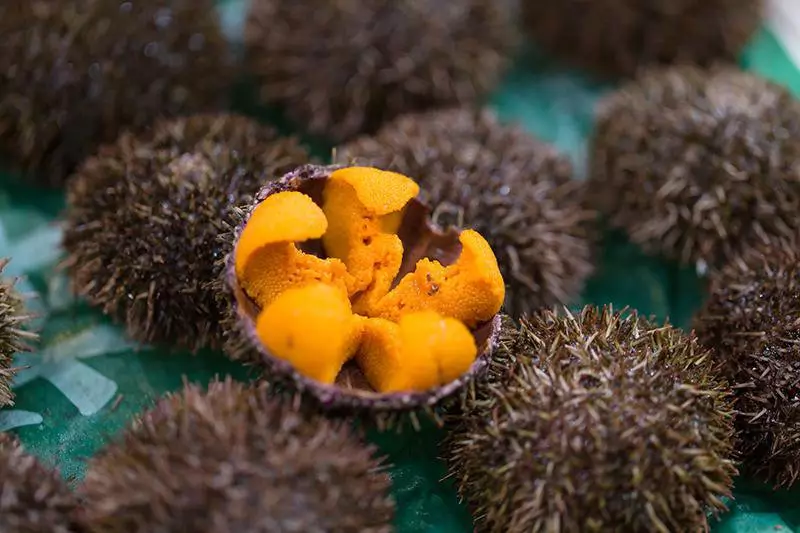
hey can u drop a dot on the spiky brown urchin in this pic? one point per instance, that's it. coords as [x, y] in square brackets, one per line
[12, 335]
[515, 190]
[340, 68]
[35, 498]
[144, 217]
[615, 38]
[697, 164]
[74, 73]
[750, 321]
[596, 421]
[234, 459]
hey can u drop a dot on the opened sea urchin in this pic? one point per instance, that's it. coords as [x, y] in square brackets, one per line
[34, 498]
[619, 37]
[232, 459]
[340, 68]
[12, 336]
[750, 321]
[597, 421]
[75, 73]
[342, 289]
[144, 217]
[515, 190]
[698, 164]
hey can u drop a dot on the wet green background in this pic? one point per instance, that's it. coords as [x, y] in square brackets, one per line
[86, 380]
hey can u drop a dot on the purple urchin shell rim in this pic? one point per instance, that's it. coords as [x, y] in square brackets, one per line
[334, 396]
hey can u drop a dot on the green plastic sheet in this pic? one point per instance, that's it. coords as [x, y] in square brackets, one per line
[86, 381]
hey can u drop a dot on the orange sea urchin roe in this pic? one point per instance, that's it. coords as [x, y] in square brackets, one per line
[423, 350]
[313, 328]
[414, 337]
[470, 290]
[267, 260]
[364, 208]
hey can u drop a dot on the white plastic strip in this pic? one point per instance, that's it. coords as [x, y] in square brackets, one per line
[84, 387]
[783, 18]
[15, 418]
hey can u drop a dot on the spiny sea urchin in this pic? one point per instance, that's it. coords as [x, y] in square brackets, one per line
[340, 68]
[597, 421]
[750, 321]
[144, 217]
[618, 37]
[343, 291]
[34, 498]
[74, 73]
[233, 459]
[697, 164]
[517, 191]
[12, 336]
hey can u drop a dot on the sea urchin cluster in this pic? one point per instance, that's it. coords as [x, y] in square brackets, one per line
[751, 323]
[697, 164]
[232, 459]
[12, 336]
[515, 190]
[144, 217]
[75, 73]
[619, 37]
[340, 68]
[33, 498]
[597, 421]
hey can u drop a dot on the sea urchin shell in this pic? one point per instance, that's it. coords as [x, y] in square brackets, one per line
[350, 390]
[698, 164]
[596, 421]
[340, 68]
[515, 190]
[145, 214]
[75, 73]
[232, 459]
[34, 499]
[619, 37]
[751, 323]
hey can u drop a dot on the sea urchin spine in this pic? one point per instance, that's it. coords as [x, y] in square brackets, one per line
[341, 68]
[75, 73]
[232, 459]
[616, 38]
[750, 321]
[698, 164]
[34, 498]
[596, 421]
[12, 334]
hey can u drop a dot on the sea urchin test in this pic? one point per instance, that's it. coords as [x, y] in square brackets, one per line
[342, 273]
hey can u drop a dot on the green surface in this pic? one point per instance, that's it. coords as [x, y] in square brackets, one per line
[86, 380]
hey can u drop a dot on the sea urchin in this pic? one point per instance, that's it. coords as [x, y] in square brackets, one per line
[342, 289]
[144, 217]
[597, 421]
[697, 164]
[34, 498]
[515, 190]
[750, 321]
[618, 37]
[12, 336]
[340, 68]
[75, 73]
[232, 459]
